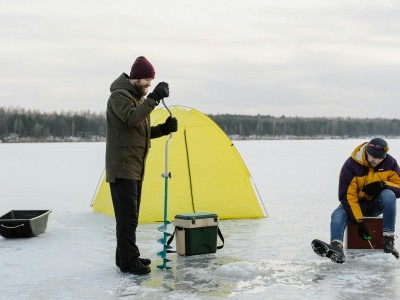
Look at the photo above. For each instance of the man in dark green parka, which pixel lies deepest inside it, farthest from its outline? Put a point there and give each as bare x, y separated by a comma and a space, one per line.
128, 142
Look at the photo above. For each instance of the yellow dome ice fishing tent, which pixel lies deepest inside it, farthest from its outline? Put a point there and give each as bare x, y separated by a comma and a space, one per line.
207, 173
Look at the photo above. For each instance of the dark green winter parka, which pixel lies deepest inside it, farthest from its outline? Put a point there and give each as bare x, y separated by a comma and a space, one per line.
128, 131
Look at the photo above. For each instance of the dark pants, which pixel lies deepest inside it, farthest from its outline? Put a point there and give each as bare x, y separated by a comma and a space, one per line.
126, 194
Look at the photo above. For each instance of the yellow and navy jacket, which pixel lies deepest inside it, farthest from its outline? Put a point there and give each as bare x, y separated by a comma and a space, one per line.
357, 173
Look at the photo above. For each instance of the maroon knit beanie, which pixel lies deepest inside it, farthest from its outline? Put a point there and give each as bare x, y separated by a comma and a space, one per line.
142, 69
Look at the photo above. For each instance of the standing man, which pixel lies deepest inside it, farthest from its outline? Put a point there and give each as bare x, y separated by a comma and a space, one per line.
128, 142
369, 184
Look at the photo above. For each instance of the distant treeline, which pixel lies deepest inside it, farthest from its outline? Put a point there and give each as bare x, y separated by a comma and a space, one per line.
269, 126
17, 124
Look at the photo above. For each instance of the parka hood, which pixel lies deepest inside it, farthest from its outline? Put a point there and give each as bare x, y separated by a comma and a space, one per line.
122, 82
359, 154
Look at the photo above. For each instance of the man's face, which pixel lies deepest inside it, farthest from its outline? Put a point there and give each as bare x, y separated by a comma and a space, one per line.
143, 85
373, 162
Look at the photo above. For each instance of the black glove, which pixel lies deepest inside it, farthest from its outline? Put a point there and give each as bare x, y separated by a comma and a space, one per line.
160, 91
170, 125
374, 188
363, 232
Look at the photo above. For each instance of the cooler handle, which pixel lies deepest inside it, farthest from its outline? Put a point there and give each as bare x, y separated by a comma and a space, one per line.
171, 238
12, 227
222, 239
180, 228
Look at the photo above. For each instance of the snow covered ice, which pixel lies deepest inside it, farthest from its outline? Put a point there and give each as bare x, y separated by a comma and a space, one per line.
265, 258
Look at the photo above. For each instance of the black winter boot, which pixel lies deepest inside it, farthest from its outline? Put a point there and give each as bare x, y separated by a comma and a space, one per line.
334, 250
145, 261
388, 245
337, 247
137, 270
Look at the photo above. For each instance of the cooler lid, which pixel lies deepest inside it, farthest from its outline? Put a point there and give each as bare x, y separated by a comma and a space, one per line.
199, 215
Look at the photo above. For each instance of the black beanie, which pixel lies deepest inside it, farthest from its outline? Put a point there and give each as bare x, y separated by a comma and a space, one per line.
377, 148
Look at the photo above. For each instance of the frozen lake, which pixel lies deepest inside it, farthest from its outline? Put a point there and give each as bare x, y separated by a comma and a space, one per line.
266, 258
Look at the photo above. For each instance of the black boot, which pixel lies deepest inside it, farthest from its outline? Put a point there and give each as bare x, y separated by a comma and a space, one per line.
137, 268
334, 250
388, 245
337, 247
145, 261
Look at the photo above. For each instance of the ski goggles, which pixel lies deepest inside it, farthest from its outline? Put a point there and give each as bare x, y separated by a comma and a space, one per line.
379, 147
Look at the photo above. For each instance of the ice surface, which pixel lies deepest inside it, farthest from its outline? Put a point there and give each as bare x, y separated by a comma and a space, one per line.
267, 258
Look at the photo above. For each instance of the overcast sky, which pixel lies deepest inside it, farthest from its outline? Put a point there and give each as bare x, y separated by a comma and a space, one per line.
288, 57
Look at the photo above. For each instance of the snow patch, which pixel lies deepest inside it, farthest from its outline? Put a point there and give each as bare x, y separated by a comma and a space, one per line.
238, 270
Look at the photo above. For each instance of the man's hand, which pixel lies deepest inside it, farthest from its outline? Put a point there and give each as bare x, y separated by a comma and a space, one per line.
363, 232
161, 91
374, 188
170, 125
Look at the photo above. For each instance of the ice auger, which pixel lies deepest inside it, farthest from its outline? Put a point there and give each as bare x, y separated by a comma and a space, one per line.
164, 227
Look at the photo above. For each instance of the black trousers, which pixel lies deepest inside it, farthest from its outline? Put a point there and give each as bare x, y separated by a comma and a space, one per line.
126, 195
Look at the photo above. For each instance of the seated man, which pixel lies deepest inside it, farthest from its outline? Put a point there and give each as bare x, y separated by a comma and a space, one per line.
369, 184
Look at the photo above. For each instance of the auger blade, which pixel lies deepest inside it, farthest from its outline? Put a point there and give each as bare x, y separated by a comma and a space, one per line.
164, 267
163, 241
164, 229
163, 255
